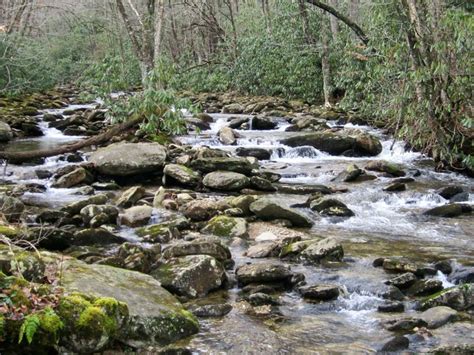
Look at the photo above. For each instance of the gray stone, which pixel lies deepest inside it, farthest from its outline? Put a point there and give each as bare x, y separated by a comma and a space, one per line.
438, 316
226, 181
6, 133
320, 292
268, 209
327, 249
265, 272
130, 196
136, 216
227, 136
183, 174
198, 247
75, 177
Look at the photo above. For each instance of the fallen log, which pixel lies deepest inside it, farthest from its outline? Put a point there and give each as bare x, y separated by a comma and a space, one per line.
19, 157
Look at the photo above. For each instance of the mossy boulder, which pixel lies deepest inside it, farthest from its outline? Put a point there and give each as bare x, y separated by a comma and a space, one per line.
386, 167
155, 316
21, 263
76, 207
9, 231
183, 174
459, 298
227, 227
198, 247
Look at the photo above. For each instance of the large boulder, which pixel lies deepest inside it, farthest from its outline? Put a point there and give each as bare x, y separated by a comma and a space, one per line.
237, 165
226, 181
263, 123
337, 143
6, 133
183, 174
125, 159
269, 209
155, 316
191, 276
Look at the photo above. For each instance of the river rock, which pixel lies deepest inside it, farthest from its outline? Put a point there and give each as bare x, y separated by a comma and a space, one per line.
130, 196
76, 207
395, 187
425, 287
259, 153
351, 173
227, 227
302, 189
136, 216
406, 324
211, 310
125, 159
391, 307
155, 316
183, 174
327, 249
92, 214
438, 316
400, 265
337, 143
458, 297
265, 272
331, 207
20, 263
262, 184
75, 177
263, 250
243, 203
6, 133
462, 275
263, 123
320, 292
198, 247
202, 210
260, 299
158, 233
403, 281
268, 209
11, 207
233, 108
450, 191
237, 122
227, 136
191, 276
50, 238
96, 236
237, 165
226, 181
450, 210
386, 167
396, 344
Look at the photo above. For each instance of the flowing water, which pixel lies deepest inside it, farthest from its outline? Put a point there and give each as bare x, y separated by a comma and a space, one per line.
385, 224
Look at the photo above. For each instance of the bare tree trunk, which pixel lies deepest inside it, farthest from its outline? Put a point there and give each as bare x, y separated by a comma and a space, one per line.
326, 68
15, 24
159, 17
334, 22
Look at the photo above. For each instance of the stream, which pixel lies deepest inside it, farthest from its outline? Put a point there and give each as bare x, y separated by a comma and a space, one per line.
385, 224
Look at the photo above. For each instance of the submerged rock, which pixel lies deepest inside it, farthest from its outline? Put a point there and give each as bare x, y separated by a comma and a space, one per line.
191, 276
269, 209
125, 159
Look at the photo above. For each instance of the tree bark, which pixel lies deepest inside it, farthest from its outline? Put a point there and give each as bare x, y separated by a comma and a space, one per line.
352, 25
326, 69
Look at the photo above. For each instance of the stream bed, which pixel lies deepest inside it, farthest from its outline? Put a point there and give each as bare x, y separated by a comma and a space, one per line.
385, 224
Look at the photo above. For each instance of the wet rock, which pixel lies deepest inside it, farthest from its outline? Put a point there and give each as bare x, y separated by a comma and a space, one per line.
125, 159
449, 210
459, 298
43, 174
337, 143
320, 292
191, 276
105, 186
237, 165
265, 272
446, 268
331, 207
396, 344
425, 287
458, 349
393, 293
6, 133
327, 249
262, 184
129, 197
233, 108
75, 177
97, 215
243, 203
386, 167
392, 307
211, 310
75, 207
404, 324
400, 265
96, 236
351, 173
11, 207
403, 281
196, 122
462, 275
263, 250
438, 316
259, 153
263, 123
227, 136
227, 227
197, 247
226, 181
450, 191
268, 209
159, 233
395, 187
303, 189
155, 316
259, 299
237, 122
462, 197
50, 216
201, 210
183, 174
136, 216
